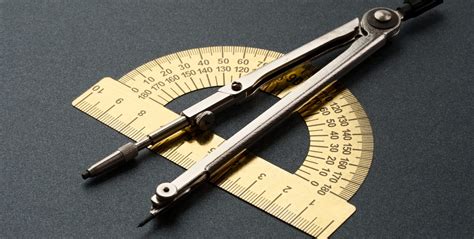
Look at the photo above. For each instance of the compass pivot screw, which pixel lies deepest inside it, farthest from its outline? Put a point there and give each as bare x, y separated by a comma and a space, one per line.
236, 86
166, 192
383, 15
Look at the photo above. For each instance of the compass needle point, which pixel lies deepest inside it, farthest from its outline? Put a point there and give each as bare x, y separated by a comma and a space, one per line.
146, 220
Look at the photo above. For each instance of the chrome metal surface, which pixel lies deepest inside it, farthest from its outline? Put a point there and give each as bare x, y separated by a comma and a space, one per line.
168, 129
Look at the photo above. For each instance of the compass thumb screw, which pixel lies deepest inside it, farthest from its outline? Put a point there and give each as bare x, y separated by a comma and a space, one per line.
205, 120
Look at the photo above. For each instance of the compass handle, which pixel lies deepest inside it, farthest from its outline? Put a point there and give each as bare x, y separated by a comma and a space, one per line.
414, 8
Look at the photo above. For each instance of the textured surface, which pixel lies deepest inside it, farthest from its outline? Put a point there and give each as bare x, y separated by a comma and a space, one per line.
417, 93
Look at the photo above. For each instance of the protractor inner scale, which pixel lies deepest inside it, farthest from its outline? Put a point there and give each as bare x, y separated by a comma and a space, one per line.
338, 152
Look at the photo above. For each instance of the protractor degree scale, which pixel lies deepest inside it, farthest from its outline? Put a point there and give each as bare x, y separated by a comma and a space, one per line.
313, 198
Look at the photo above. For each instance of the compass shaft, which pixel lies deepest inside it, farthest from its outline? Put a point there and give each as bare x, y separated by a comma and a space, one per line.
129, 151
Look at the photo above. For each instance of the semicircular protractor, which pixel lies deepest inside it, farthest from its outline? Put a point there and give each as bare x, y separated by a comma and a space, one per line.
314, 198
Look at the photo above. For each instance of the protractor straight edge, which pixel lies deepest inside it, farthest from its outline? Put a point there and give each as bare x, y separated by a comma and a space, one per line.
340, 149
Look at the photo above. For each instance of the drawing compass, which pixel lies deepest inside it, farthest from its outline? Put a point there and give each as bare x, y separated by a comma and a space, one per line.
312, 199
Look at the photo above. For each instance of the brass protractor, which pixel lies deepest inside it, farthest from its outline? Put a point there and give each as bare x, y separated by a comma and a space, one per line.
341, 144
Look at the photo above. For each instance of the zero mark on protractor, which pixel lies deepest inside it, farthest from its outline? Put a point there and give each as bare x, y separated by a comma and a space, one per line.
341, 145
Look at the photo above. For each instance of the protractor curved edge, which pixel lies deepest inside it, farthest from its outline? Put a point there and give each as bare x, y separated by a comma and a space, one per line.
341, 142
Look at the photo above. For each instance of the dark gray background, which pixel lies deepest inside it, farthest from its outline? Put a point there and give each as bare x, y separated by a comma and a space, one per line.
417, 92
